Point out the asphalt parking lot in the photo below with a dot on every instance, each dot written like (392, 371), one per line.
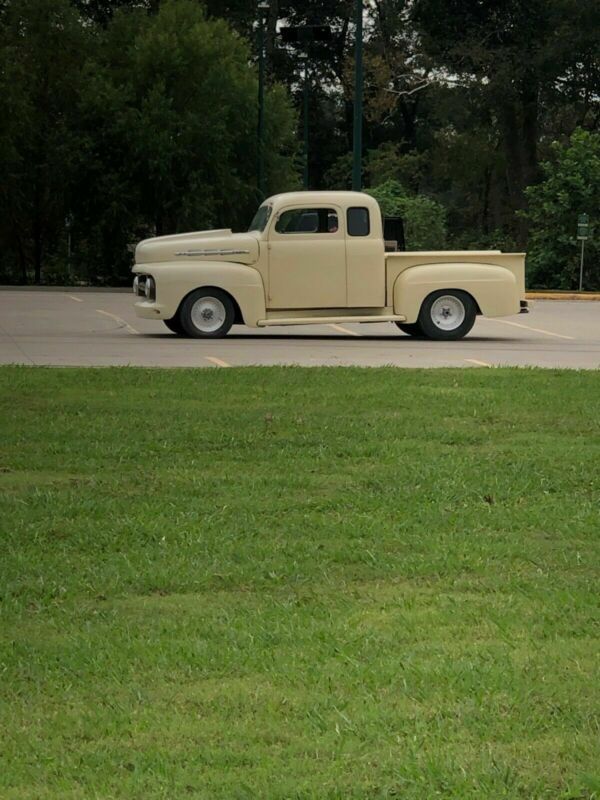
(86, 328)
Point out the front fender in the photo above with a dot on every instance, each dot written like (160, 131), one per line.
(494, 288)
(176, 279)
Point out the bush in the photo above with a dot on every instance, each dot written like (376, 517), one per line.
(424, 218)
(571, 187)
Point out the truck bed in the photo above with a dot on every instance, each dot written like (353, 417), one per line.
(399, 262)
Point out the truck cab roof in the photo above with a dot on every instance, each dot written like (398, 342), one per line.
(344, 199)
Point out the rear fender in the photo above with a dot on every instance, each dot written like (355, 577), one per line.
(493, 288)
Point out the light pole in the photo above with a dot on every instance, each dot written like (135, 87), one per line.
(358, 100)
(263, 8)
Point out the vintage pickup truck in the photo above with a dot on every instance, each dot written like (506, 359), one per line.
(314, 258)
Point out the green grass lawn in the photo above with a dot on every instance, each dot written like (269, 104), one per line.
(299, 583)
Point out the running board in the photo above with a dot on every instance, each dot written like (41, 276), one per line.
(263, 323)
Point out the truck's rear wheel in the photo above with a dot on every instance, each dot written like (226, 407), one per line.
(207, 314)
(411, 328)
(447, 314)
(174, 325)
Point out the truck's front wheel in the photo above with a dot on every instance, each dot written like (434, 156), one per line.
(207, 314)
(411, 328)
(174, 325)
(447, 314)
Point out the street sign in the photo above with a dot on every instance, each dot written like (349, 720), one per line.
(583, 233)
(583, 227)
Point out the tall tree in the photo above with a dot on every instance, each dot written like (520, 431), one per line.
(42, 49)
(518, 53)
(144, 127)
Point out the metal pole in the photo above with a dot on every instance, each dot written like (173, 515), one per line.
(581, 267)
(358, 99)
(305, 114)
(261, 102)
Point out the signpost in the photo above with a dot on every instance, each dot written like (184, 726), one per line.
(583, 232)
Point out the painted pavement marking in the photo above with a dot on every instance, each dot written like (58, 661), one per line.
(479, 363)
(217, 361)
(529, 328)
(341, 329)
(120, 320)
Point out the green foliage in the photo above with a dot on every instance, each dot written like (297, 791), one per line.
(183, 114)
(408, 612)
(476, 239)
(139, 116)
(339, 174)
(571, 186)
(483, 44)
(42, 48)
(147, 128)
(389, 163)
(424, 218)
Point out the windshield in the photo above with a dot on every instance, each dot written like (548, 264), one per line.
(260, 219)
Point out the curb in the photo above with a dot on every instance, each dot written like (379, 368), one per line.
(563, 296)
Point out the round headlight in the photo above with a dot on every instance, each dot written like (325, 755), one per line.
(149, 288)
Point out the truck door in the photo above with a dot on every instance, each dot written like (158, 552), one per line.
(366, 258)
(307, 259)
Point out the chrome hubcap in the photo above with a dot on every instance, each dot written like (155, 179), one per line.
(208, 314)
(447, 313)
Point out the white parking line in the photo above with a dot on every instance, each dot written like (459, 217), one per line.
(77, 299)
(528, 327)
(343, 330)
(217, 361)
(479, 363)
(120, 320)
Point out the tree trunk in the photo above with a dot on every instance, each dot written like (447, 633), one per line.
(408, 111)
(485, 211)
(519, 126)
(158, 223)
(512, 152)
(271, 31)
(37, 234)
(529, 139)
(22, 262)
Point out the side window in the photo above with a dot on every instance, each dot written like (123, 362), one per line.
(307, 220)
(358, 221)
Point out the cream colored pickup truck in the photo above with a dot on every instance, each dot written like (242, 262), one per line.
(314, 258)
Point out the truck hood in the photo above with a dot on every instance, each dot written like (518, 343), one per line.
(217, 245)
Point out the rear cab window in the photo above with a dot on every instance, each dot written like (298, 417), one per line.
(358, 221)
